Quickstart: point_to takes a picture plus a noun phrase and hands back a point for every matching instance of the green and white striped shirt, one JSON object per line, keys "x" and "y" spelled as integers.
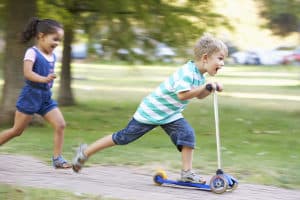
{"x": 163, "y": 106}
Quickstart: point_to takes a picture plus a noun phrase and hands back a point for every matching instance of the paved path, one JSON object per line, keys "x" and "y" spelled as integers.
{"x": 126, "y": 183}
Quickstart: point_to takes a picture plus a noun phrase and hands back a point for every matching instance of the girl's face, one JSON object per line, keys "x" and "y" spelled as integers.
{"x": 214, "y": 62}
{"x": 48, "y": 42}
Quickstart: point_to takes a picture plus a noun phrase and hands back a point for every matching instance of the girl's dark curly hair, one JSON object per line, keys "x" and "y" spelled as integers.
{"x": 35, "y": 26}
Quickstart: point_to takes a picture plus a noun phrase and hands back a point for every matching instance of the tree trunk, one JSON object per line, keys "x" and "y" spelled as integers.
{"x": 65, "y": 96}
{"x": 18, "y": 12}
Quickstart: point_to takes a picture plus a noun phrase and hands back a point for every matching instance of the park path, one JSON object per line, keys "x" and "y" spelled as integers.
{"x": 126, "y": 183}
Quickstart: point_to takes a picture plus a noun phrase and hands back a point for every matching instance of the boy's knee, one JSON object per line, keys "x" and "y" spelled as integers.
{"x": 120, "y": 139}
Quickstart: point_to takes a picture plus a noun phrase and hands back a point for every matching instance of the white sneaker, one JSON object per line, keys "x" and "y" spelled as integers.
{"x": 190, "y": 176}
{"x": 79, "y": 158}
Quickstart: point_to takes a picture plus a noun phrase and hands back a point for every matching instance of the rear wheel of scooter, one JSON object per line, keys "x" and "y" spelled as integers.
{"x": 218, "y": 184}
{"x": 159, "y": 176}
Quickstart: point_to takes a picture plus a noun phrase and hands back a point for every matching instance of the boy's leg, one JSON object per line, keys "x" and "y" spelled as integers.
{"x": 100, "y": 144}
{"x": 84, "y": 151}
{"x": 187, "y": 158}
{"x": 133, "y": 131}
{"x": 20, "y": 123}
{"x": 183, "y": 136}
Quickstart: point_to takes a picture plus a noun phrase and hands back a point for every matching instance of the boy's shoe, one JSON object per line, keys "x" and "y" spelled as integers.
{"x": 79, "y": 158}
{"x": 60, "y": 163}
{"x": 190, "y": 176}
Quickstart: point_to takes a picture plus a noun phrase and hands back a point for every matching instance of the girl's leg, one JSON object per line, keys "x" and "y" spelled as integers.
{"x": 56, "y": 119}
{"x": 20, "y": 123}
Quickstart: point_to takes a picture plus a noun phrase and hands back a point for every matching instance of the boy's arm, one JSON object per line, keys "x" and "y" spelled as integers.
{"x": 199, "y": 92}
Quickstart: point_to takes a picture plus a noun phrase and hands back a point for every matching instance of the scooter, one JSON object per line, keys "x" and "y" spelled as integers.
{"x": 219, "y": 183}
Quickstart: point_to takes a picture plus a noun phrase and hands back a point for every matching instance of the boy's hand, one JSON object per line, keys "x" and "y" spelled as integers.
{"x": 214, "y": 87}
{"x": 219, "y": 87}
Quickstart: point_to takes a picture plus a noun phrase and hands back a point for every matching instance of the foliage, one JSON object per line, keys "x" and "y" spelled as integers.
{"x": 127, "y": 24}
{"x": 1, "y": 14}
{"x": 283, "y": 16}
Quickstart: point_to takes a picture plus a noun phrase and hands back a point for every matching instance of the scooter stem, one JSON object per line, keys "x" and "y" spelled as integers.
{"x": 217, "y": 129}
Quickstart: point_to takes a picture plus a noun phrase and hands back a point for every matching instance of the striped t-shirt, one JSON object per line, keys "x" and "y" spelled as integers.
{"x": 163, "y": 106}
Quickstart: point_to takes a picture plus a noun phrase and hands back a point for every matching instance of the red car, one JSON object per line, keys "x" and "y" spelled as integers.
{"x": 293, "y": 58}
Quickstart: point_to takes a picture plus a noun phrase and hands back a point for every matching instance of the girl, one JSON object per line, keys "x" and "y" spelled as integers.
{"x": 163, "y": 108}
{"x": 36, "y": 95}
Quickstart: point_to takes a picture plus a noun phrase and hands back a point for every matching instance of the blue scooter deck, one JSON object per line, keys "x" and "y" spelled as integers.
{"x": 160, "y": 180}
{"x": 219, "y": 183}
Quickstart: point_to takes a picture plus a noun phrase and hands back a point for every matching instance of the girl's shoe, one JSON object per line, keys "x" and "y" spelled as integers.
{"x": 190, "y": 176}
{"x": 79, "y": 158}
{"x": 60, "y": 163}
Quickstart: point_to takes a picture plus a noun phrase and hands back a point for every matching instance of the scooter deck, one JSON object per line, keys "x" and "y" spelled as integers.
{"x": 159, "y": 180}
{"x": 218, "y": 183}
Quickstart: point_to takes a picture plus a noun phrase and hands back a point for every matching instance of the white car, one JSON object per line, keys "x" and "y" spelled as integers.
{"x": 245, "y": 58}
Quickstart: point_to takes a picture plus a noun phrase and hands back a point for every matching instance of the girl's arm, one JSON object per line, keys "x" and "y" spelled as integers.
{"x": 34, "y": 77}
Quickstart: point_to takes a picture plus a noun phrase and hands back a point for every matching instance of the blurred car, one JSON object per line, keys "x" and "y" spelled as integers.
{"x": 164, "y": 53}
{"x": 293, "y": 58}
{"x": 260, "y": 57}
{"x": 245, "y": 58}
{"x": 79, "y": 51}
{"x": 274, "y": 56}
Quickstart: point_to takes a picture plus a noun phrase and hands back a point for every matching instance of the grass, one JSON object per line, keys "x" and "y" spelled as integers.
{"x": 259, "y": 135}
{"x": 21, "y": 193}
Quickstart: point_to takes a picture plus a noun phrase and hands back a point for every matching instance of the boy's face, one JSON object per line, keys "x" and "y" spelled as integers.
{"x": 215, "y": 62}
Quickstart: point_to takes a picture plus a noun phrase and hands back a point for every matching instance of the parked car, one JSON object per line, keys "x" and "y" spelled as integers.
{"x": 274, "y": 56}
{"x": 164, "y": 53}
{"x": 245, "y": 58}
{"x": 293, "y": 58}
{"x": 260, "y": 57}
{"x": 79, "y": 51}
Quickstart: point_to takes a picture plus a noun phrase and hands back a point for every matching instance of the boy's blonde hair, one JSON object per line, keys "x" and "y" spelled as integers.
{"x": 208, "y": 44}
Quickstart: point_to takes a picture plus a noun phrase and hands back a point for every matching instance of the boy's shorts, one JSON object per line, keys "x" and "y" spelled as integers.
{"x": 35, "y": 100}
{"x": 180, "y": 132}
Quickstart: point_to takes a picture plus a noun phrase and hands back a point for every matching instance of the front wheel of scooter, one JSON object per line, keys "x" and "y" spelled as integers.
{"x": 232, "y": 187}
{"x": 218, "y": 184}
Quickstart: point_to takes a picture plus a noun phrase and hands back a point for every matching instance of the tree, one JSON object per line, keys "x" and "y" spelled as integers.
{"x": 16, "y": 15}
{"x": 165, "y": 21}
{"x": 283, "y": 17}
{"x": 170, "y": 22}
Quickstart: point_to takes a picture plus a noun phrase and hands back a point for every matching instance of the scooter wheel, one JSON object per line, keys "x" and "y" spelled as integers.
{"x": 218, "y": 184}
{"x": 157, "y": 178}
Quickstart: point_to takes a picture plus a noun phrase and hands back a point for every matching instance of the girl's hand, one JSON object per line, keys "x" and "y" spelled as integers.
{"x": 50, "y": 77}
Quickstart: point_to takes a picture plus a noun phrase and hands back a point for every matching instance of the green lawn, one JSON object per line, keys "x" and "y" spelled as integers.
{"x": 22, "y": 193}
{"x": 259, "y": 122}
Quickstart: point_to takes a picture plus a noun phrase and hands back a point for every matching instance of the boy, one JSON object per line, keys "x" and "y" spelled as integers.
{"x": 164, "y": 106}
